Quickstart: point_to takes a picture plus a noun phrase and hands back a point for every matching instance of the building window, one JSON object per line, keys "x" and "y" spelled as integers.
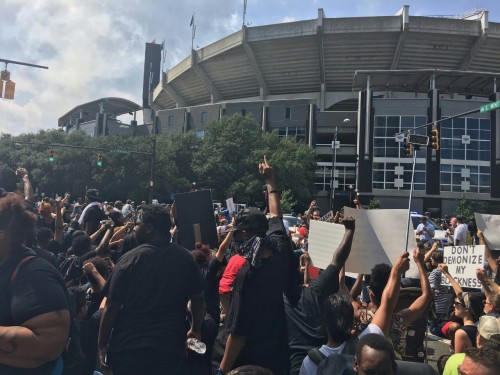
{"x": 346, "y": 176}
{"x": 290, "y": 131}
{"x": 287, "y": 112}
{"x": 243, "y": 112}
{"x": 171, "y": 120}
{"x": 392, "y": 169}
{"x": 204, "y": 117}
{"x": 200, "y": 133}
{"x": 465, "y": 155}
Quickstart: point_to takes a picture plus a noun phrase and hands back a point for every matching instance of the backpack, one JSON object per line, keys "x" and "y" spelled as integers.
{"x": 341, "y": 364}
{"x": 71, "y": 268}
{"x": 73, "y": 356}
{"x": 338, "y": 364}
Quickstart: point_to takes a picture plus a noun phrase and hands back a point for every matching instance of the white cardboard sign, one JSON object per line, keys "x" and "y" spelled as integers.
{"x": 490, "y": 226}
{"x": 379, "y": 238}
{"x": 230, "y": 206}
{"x": 462, "y": 262}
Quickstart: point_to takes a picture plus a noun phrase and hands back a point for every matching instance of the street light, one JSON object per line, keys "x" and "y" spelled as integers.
{"x": 334, "y": 161}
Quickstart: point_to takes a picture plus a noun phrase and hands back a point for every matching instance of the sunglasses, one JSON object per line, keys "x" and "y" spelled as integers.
{"x": 457, "y": 303}
{"x": 487, "y": 303}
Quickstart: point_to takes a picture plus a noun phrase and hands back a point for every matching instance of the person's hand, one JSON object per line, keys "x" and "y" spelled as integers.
{"x": 59, "y": 202}
{"x": 435, "y": 245}
{"x": 418, "y": 257}
{"x": 402, "y": 264}
{"x": 313, "y": 203}
{"x": 481, "y": 274}
{"x": 266, "y": 171}
{"x": 480, "y": 234}
{"x": 88, "y": 268}
{"x": 21, "y": 172}
{"x": 305, "y": 259}
{"x": 443, "y": 267}
{"x": 348, "y": 222}
{"x": 194, "y": 334}
{"x": 102, "y": 357}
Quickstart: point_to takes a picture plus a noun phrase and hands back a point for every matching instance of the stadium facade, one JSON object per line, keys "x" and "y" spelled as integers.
{"x": 362, "y": 80}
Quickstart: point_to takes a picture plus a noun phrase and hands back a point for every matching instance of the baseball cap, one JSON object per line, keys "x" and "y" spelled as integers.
{"x": 93, "y": 194}
{"x": 489, "y": 328}
{"x": 251, "y": 220}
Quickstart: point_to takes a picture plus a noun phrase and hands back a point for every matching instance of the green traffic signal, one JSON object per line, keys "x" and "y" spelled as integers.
{"x": 99, "y": 163}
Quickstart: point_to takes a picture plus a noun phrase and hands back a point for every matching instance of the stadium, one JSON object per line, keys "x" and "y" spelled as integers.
{"x": 358, "y": 81}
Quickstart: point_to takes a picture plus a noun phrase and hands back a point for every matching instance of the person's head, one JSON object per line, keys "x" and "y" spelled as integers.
{"x": 316, "y": 215}
{"x": 441, "y": 363}
{"x": 250, "y": 370}
{"x": 43, "y": 237}
{"x": 129, "y": 201}
{"x": 378, "y": 280}
{"x": 460, "y": 219}
{"x": 488, "y": 332}
{"x": 103, "y": 265}
{"x": 424, "y": 219}
{"x": 436, "y": 258}
{"x": 155, "y": 224}
{"x": 249, "y": 222}
{"x": 92, "y": 195}
{"x": 78, "y": 297}
{"x": 8, "y": 179}
{"x": 469, "y": 305}
{"x": 480, "y": 361}
{"x": 453, "y": 222}
{"x": 374, "y": 356}
{"x": 81, "y": 244}
{"x": 15, "y": 222}
{"x": 492, "y": 303}
{"x": 202, "y": 255}
{"x": 119, "y": 205}
{"x": 45, "y": 209}
{"x": 338, "y": 318}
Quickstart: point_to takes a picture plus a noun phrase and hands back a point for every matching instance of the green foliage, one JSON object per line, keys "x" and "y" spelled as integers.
{"x": 225, "y": 161}
{"x": 287, "y": 202}
{"x": 374, "y": 204}
{"x": 466, "y": 207}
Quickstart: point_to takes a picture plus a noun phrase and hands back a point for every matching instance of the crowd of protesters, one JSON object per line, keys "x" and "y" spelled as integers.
{"x": 103, "y": 287}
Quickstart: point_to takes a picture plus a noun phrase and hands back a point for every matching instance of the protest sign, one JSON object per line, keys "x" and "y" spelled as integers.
{"x": 195, "y": 219}
{"x": 379, "y": 238}
{"x": 490, "y": 226}
{"x": 462, "y": 263}
{"x": 323, "y": 240}
{"x": 230, "y": 206}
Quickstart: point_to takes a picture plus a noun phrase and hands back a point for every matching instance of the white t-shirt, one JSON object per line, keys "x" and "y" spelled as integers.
{"x": 372, "y": 328}
{"x": 310, "y": 368}
{"x": 424, "y": 236}
{"x": 461, "y": 234}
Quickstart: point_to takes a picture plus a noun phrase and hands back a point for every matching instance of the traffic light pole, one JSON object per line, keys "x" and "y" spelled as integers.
{"x": 411, "y": 196}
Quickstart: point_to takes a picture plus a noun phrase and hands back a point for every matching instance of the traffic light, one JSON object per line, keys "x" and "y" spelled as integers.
{"x": 99, "y": 159}
{"x": 51, "y": 154}
{"x": 408, "y": 148}
{"x": 435, "y": 139}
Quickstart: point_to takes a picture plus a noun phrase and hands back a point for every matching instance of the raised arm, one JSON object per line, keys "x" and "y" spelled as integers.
{"x": 428, "y": 254}
{"x": 102, "y": 249}
{"x": 390, "y": 296}
{"x": 419, "y": 306}
{"x": 456, "y": 288}
{"x": 27, "y": 187}
{"x": 59, "y": 228}
{"x": 487, "y": 252}
{"x": 488, "y": 284}
{"x": 221, "y": 251}
{"x": 344, "y": 249}
{"x": 267, "y": 172}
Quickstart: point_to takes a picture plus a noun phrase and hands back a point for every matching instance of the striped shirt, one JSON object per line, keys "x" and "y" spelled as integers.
{"x": 440, "y": 291}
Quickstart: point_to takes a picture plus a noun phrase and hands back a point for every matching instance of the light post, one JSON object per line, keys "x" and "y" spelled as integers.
{"x": 334, "y": 161}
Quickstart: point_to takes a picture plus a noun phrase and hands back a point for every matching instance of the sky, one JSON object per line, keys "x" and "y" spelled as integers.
{"x": 95, "y": 48}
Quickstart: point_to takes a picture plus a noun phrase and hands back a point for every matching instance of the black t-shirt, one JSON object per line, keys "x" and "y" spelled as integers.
{"x": 93, "y": 216}
{"x": 257, "y": 311}
{"x": 89, "y": 331}
{"x": 305, "y": 329}
{"x": 37, "y": 289}
{"x": 153, "y": 283}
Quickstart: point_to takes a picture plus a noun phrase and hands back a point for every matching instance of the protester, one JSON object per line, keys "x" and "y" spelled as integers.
{"x": 253, "y": 334}
{"x": 425, "y": 231}
{"x": 34, "y": 315}
{"x": 374, "y": 356}
{"x": 142, "y": 328}
{"x": 92, "y": 214}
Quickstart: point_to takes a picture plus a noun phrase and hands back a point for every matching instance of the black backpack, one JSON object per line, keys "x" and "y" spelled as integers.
{"x": 71, "y": 268}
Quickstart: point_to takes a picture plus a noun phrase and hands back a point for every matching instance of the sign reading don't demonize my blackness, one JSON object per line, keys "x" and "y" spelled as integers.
{"x": 462, "y": 263}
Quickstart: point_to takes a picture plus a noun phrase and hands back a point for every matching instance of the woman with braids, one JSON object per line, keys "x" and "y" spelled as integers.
{"x": 34, "y": 316}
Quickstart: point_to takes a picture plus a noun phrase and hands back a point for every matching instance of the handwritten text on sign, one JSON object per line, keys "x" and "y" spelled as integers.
{"x": 462, "y": 263}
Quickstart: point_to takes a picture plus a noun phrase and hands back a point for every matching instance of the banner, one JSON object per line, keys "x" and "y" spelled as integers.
{"x": 379, "y": 237}
{"x": 462, "y": 263}
{"x": 490, "y": 226}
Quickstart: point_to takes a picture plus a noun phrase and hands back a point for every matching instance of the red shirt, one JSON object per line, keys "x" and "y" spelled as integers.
{"x": 233, "y": 267}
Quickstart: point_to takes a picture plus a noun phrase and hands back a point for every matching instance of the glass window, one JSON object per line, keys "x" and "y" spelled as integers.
{"x": 204, "y": 117}
{"x": 171, "y": 120}
{"x": 287, "y": 112}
